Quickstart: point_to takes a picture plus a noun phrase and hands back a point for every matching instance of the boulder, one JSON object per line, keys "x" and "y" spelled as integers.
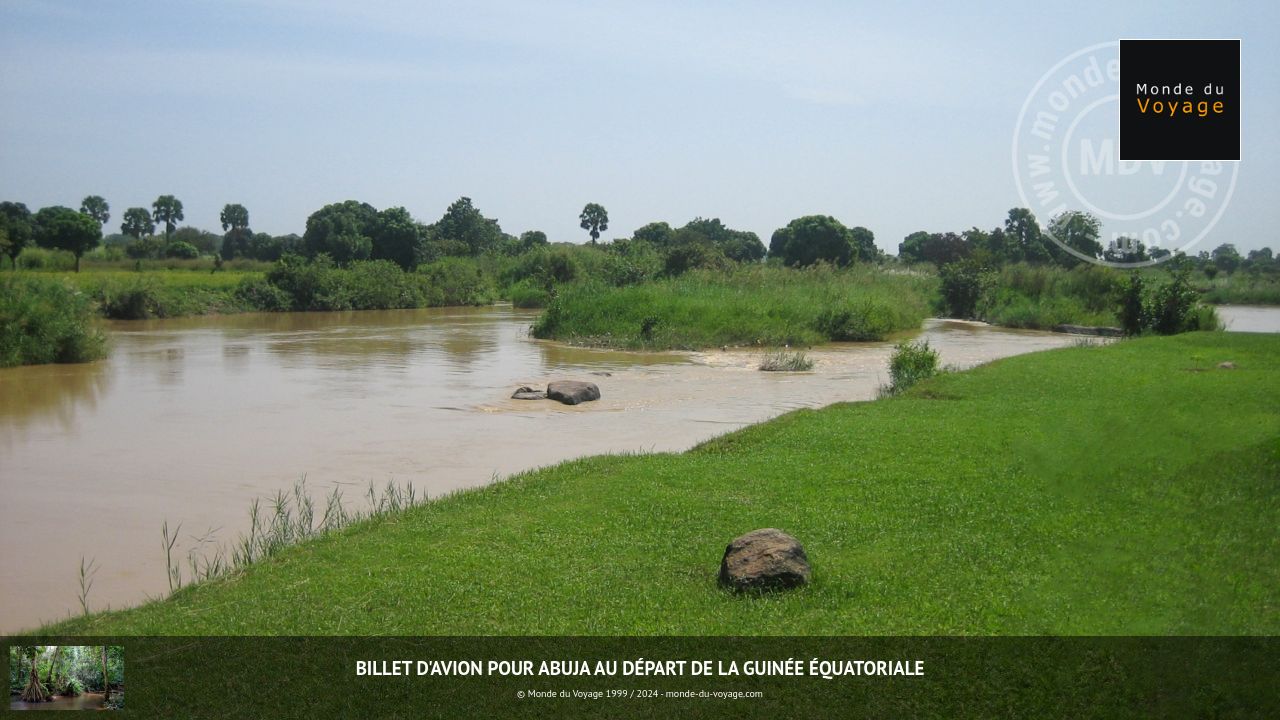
{"x": 766, "y": 559}
{"x": 1228, "y": 365}
{"x": 572, "y": 392}
{"x": 528, "y": 393}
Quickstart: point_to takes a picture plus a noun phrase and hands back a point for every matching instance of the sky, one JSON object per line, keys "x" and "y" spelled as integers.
{"x": 895, "y": 116}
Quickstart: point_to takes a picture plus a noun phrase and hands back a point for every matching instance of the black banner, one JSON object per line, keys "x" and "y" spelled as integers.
{"x": 696, "y": 677}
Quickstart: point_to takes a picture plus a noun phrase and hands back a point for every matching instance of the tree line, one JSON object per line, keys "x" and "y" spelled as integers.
{"x": 351, "y": 230}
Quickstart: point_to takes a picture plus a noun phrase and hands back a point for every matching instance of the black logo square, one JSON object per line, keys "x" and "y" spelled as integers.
{"x": 1179, "y": 99}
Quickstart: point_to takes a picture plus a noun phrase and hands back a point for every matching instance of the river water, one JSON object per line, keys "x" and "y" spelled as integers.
{"x": 190, "y": 419}
{"x": 83, "y": 701}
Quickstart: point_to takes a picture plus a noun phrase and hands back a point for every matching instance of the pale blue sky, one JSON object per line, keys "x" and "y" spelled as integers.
{"x": 895, "y": 116}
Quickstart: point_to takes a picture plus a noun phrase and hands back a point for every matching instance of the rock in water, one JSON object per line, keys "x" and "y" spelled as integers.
{"x": 572, "y": 392}
{"x": 528, "y": 393}
{"x": 766, "y": 559}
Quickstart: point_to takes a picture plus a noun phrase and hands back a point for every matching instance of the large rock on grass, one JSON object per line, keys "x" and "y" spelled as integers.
{"x": 572, "y": 392}
{"x": 766, "y": 559}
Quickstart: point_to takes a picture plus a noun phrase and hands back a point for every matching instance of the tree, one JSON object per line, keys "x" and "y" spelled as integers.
{"x": 106, "y": 677}
{"x": 396, "y": 237}
{"x": 464, "y": 223}
{"x": 97, "y": 208}
{"x": 1227, "y": 258}
{"x": 1024, "y": 241}
{"x": 864, "y": 244}
{"x": 34, "y": 691}
{"x": 341, "y": 231}
{"x": 137, "y": 223}
{"x": 530, "y": 239}
{"x": 812, "y": 238}
{"x": 64, "y": 228}
{"x": 738, "y": 245}
{"x": 594, "y": 219}
{"x": 235, "y": 223}
{"x": 1078, "y": 231}
{"x": 657, "y": 234}
{"x": 16, "y": 231}
{"x": 167, "y": 209}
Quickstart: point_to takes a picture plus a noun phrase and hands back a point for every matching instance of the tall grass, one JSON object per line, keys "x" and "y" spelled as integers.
{"x": 750, "y": 305}
{"x": 1043, "y": 296}
{"x": 786, "y": 361}
{"x": 44, "y": 320}
{"x": 283, "y": 520}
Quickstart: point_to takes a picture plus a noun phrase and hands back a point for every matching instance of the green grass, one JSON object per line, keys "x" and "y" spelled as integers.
{"x": 1124, "y": 489}
{"x": 1242, "y": 289}
{"x": 750, "y": 305}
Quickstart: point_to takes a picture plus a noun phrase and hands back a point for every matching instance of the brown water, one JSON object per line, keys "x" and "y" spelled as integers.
{"x": 189, "y": 419}
{"x": 83, "y": 701}
{"x": 1250, "y": 318}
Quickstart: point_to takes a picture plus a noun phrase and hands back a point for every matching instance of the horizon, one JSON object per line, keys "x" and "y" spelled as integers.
{"x": 896, "y": 119}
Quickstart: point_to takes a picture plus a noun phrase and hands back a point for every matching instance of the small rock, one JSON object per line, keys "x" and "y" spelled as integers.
{"x": 1228, "y": 365}
{"x": 602, "y": 373}
{"x": 528, "y": 393}
{"x": 572, "y": 392}
{"x": 766, "y": 559}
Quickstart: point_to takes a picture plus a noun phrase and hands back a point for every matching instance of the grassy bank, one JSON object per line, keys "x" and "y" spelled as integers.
{"x": 1127, "y": 489}
{"x": 757, "y": 305}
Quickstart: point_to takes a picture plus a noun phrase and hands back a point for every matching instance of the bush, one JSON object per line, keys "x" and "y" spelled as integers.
{"x": 1133, "y": 316}
{"x": 381, "y": 284}
{"x": 135, "y": 298}
{"x": 529, "y": 294}
{"x": 256, "y": 293}
{"x": 179, "y": 249}
{"x": 38, "y": 258}
{"x": 963, "y": 284}
{"x": 46, "y": 321}
{"x": 456, "y": 281}
{"x": 1174, "y": 306}
{"x": 867, "y": 320}
{"x": 911, "y": 363}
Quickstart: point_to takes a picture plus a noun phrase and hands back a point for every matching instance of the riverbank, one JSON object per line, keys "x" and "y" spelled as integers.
{"x": 1134, "y": 498}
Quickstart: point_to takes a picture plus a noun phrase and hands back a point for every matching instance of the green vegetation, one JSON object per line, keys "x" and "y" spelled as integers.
{"x": 1138, "y": 497}
{"x": 750, "y": 305}
{"x": 786, "y": 361}
{"x": 911, "y": 362}
{"x": 46, "y": 321}
{"x": 37, "y": 673}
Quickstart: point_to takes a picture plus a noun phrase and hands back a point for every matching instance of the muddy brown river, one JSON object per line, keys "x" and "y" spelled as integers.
{"x": 190, "y": 419}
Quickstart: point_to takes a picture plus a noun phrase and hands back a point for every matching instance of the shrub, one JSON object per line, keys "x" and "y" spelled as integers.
{"x": 46, "y": 321}
{"x": 1133, "y": 316}
{"x": 867, "y": 320}
{"x": 381, "y": 284}
{"x": 1173, "y": 305}
{"x": 179, "y": 249}
{"x": 135, "y": 298}
{"x": 911, "y": 363}
{"x": 456, "y": 281}
{"x": 38, "y": 258}
{"x": 255, "y": 293}
{"x": 529, "y": 294}
{"x": 963, "y": 283}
